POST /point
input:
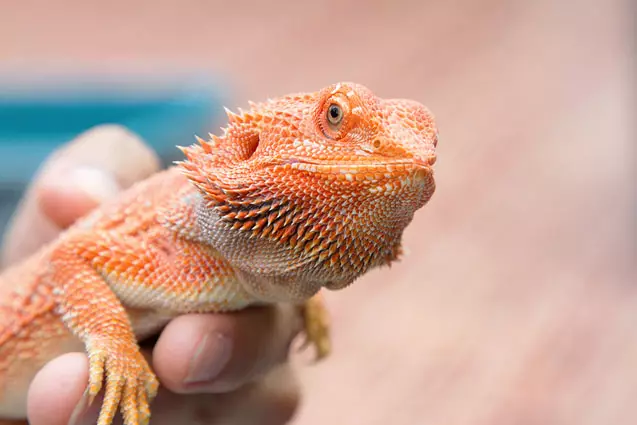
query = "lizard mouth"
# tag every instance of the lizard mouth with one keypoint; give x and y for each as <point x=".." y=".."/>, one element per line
<point x="365" y="169"/>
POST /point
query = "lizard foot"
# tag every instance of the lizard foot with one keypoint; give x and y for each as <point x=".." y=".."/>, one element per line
<point x="317" y="326"/>
<point x="130" y="383"/>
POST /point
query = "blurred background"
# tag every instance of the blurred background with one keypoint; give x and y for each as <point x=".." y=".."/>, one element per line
<point x="517" y="301"/>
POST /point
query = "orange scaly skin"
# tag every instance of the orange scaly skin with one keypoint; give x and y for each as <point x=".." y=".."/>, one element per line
<point x="299" y="193"/>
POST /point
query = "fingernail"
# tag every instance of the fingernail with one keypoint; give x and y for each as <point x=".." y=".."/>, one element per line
<point x="211" y="357"/>
<point x="79" y="411"/>
<point x="98" y="184"/>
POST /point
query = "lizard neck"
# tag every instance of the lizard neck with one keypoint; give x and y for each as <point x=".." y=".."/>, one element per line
<point x="269" y="270"/>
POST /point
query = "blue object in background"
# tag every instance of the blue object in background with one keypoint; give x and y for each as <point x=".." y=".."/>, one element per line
<point x="36" y="119"/>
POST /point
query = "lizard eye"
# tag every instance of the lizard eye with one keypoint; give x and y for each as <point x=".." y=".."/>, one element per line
<point x="335" y="116"/>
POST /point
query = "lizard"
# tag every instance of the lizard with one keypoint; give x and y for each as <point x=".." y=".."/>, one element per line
<point x="297" y="194"/>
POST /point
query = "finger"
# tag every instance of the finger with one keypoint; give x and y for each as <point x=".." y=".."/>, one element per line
<point x="56" y="396"/>
<point x="72" y="181"/>
<point x="272" y="400"/>
<point x="57" y="389"/>
<point x="220" y="352"/>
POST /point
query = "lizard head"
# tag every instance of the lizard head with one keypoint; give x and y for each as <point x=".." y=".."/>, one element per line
<point x="314" y="189"/>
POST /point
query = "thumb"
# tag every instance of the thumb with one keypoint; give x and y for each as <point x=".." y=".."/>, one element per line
<point x="72" y="181"/>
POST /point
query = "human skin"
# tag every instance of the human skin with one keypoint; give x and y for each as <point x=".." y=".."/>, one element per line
<point x="242" y="375"/>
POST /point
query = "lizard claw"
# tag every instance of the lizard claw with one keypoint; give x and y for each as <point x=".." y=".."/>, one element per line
<point x="130" y="384"/>
<point x="317" y="327"/>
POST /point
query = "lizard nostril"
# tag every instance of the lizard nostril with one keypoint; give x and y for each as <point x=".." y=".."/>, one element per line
<point x="377" y="144"/>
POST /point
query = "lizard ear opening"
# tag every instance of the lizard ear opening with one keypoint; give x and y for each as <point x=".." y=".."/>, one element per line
<point x="251" y="145"/>
<point x="238" y="144"/>
<point x="241" y="138"/>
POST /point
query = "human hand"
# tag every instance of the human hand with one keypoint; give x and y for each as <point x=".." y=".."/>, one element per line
<point x="242" y="375"/>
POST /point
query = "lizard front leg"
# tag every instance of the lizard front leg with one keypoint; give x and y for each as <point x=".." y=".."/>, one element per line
<point x="97" y="276"/>
<point x="90" y="309"/>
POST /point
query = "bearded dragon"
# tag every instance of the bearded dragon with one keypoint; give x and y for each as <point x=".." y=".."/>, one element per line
<point x="298" y="193"/>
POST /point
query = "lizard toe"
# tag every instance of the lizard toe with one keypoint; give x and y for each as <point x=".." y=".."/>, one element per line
<point x="143" y="404"/>
<point x="97" y="360"/>
<point x="317" y="326"/>
<point x="129" y="384"/>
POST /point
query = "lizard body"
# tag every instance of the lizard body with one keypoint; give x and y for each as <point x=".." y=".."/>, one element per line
<point x="299" y="193"/>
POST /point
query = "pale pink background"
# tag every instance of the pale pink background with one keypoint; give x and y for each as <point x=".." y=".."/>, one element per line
<point x="517" y="303"/>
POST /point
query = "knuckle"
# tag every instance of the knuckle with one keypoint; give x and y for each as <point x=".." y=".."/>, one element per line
<point x="283" y="394"/>
<point x="109" y="133"/>
<point x="285" y="406"/>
